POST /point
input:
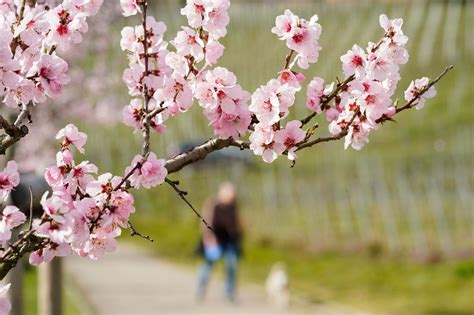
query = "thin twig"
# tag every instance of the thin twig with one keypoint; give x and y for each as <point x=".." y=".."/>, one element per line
<point x="127" y="176"/>
<point x="337" y="136"/>
<point x="134" y="232"/>
<point x="182" y="194"/>
<point x="288" y="58"/>
<point x="30" y="225"/>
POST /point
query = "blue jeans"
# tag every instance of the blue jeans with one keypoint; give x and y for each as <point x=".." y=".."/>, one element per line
<point x="230" y="259"/>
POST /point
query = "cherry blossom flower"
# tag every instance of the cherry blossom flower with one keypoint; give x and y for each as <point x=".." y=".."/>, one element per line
<point x="291" y="78"/>
<point x="52" y="72"/>
<point x="152" y="172"/>
<point x="314" y="94"/>
<point x="177" y="95"/>
<point x="290" y="137"/>
<point x="67" y="24"/>
<point x="414" y="90"/>
<point x="11" y="218"/>
<point x="71" y="135"/>
<point x="130" y="7"/>
<point x="5" y="305"/>
<point x="195" y="10"/>
<point x="354" y="62"/>
<point x="9" y="178"/>
<point x="271" y="102"/>
<point x="262" y="143"/>
<point x="214" y="51"/>
<point x="300" y="35"/>
<point x="217" y="18"/>
<point x="393" y="29"/>
<point x="188" y="42"/>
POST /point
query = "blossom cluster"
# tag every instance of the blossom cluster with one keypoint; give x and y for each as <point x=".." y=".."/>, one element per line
<point x="367" y="99"/>
<point x="30" y="36"/>
<point x="272" y="102"/>
<point x="169" y="80"/>
<point x="300" y="35"/>
<point x="11" y="216"/>
<point x="85" y="213"/>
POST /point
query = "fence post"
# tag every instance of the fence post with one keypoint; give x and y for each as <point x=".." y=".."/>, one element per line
<point x="50" y="288"/>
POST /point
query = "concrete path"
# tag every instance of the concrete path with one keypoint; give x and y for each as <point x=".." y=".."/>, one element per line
<point x="132" y="282"/>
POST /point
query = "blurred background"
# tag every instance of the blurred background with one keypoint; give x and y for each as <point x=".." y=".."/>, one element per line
<point x="389" y="229"/>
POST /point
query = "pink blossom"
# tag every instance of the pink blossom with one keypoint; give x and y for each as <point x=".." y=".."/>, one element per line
<point x="5" y="305"/>
<point x="188" y="42"/>
<point x="354" y="62"/>
<point x="300" y="35"/>
<point x="133" y="113"/>
<point x="195" y="10"/>
<point x="120" y="209"/>
<point x="217" y="18"/>
<point x="103" y="185"/>
<point x="271" y="102"/>
<point x="11" y="218"/>
<point x="49" y="252"/>
<point x="393" y="29"/>
<point x="97" y="246"/>
<point x="152" y="172"/>
<point x="314" y="94"/>
<point x="130" y="7"/>
<point x="233" y="125"/>
<point x="52" y="72"/>
<point x="71" y="135"/>
<point x="80" y="176"/>
<point x="9" y="178"/>
<point x="414" y="92"/>
<point x="67" y="24"/>
<point x="177" y="94"/>
<point x="284" y="24"/>
<point x="262" y="143"/>
<point x="214" y="51"/>
<point x="53" y="176"/>
<point x="177" y="63"/>
<point x="291" y="78"/>
<point x="290" y="137"/>
<point x="64" y="157"/>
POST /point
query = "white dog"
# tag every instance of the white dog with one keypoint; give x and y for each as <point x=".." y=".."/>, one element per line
<point x="277" y="286"/>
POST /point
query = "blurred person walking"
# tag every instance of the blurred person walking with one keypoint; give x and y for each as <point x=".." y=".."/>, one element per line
<point x="224" y="241"/>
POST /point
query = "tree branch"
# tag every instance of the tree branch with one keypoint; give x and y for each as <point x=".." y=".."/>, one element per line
<point x="182" y="194"/>
<point x="14" y="132"/>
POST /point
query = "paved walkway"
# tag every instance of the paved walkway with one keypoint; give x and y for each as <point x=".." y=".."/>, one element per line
<point x="132" y="282"/>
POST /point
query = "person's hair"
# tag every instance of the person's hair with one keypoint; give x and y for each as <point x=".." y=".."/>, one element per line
<point x="227" y="193"/>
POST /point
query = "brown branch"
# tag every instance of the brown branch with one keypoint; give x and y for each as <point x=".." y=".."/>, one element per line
<point x="288" y="58"/>
<point x="337" y="136"/>
<point x="14" y="132"/>
<point x="27" y="243"/>
<point x="197" y="153"/>
<point x="182" y="194"/>
<point x="30" y="224"/>
<point x="145" y="120"/>
<point x="134" y="232"/>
